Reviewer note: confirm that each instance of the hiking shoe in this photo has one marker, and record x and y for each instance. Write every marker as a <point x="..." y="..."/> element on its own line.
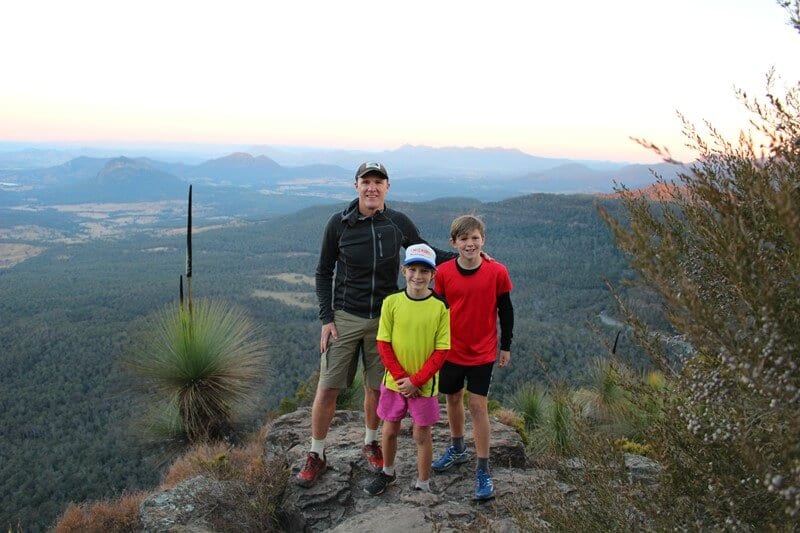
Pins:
<point x="484" y="488"/>
<point x="374" y="455"/>
<point x="379" y="483"/>
<point x="314" y="467"/>
<point x="450" y="457"/>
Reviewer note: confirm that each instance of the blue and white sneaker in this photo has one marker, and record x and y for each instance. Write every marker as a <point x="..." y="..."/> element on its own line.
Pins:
<point x="450" y="457"/>
<point x="484" y="488"/>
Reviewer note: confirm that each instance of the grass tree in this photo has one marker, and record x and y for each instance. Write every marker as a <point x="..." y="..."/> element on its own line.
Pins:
<point x="201" y="364"/>
<point x="531" y="402"/>
<point x="555" y="435"/>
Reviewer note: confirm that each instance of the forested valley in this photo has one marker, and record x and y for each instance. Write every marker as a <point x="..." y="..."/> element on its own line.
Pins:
<point x="69" y="418"/>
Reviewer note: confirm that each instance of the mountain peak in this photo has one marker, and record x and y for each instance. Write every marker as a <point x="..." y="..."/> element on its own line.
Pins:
<point x="239" y="156"/>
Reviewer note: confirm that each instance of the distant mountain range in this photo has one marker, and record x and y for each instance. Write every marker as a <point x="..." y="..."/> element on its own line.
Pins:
<point x="240" y="178"/>
<point x="410" y="160"/>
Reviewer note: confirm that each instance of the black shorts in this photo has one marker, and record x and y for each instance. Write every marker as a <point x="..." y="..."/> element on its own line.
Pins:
<point x="478" y="378"/>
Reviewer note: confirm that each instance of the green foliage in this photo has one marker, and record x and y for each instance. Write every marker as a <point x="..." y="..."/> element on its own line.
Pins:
<point x="628" y="446"/>
<point x="201" y="369"/>
<point x="606" y="400"/>
<point x="67" y="417"/>
<point x="724" y="256"/>
<point x="556" y="434"/>
<point x="352" y="398"/>
<point x="532" y="403"/>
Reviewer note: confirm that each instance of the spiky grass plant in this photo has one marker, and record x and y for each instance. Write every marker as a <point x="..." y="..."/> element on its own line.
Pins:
<point x="532" y="403"/>
<point x="606" y="400"/>
<point x="203" y="370"/>
<point x="555" y="436"/>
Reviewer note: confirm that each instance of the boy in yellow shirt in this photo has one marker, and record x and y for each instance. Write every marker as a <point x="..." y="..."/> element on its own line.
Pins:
<point x="413" y="340"/>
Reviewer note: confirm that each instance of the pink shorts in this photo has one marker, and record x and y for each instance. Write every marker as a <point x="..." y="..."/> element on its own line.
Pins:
<point x="393" y="407"/>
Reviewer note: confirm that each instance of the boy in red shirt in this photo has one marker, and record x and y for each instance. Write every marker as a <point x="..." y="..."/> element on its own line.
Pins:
<point x="478" y="292"/>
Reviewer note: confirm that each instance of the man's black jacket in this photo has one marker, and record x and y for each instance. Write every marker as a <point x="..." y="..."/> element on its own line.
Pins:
<point x="364" y="254"/>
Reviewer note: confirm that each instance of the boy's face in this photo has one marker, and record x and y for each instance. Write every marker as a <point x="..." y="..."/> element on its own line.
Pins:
<point x="469" y="245"/>
<point x="418" y="276"/>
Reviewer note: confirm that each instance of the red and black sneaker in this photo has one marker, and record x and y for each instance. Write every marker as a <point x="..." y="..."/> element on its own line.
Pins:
<point x="315" y="466"/>
<point x="374" y="455"/>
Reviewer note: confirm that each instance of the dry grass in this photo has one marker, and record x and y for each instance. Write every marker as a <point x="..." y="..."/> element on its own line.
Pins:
<point x="251" y="503"/>
<point x="121" y="515"/>
<point x="303" y="300"/>
<point x="220" y="461"/>
<point x="293" y="277"/>
<point x="11" y="254"/>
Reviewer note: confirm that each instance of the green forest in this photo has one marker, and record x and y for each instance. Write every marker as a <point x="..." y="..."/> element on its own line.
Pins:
<point x="70" y="419"/>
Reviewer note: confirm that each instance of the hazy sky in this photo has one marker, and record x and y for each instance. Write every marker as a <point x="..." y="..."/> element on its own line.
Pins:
<point x="573" y="78"/>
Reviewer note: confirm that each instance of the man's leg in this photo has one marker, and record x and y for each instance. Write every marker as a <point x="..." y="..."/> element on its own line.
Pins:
<point x="322" y="411"/>
<point x="371" y="397"/>
<point x="373" y="377"/>
<point x="337" y="365"/>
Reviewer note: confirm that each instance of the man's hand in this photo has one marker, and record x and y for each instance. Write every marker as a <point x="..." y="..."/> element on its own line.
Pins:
<point x="328" y="331"/>
<point x="407" y="388"/>
<point x="505" y="358"/>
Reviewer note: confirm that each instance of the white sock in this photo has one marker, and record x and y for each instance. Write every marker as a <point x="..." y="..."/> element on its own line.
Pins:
<point x="388" y="470"/>
<point x="317" y="446"/>
<point x="423" y="485"/>
<point x="370" y="435"/>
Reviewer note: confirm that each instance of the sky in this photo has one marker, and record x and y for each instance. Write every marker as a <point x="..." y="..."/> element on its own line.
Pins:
<point x="572" y="79"/>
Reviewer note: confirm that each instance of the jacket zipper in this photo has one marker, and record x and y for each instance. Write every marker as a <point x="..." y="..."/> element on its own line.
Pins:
<point x="374" y="266"/>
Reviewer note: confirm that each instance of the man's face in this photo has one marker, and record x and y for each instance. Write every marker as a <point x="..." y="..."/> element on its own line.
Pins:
<point x="371" y="190"/>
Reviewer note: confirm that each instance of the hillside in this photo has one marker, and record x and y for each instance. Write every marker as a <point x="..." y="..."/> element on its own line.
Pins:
<point x="68" y="314"/>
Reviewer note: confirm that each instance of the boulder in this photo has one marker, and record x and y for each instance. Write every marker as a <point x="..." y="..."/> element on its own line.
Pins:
<point x="338" y="502"/>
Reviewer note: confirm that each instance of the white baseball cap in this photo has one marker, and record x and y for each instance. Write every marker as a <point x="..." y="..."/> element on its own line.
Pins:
<point x="420" y="253"/>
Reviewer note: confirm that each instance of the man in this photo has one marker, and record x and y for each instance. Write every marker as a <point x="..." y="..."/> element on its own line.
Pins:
<point x="358" y="266"/>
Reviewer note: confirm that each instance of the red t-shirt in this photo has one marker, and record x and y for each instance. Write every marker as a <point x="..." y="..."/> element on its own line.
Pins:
<point x="473" y="309"/>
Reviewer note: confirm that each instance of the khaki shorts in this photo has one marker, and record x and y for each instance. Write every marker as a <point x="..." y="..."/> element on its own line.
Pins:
<point x="339" y="362"/>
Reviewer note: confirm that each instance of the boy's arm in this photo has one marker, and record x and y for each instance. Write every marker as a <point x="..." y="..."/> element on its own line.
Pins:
<point x="431" y="367"/>
<point x="390" y="361"/>
<point x="505" y="312"/>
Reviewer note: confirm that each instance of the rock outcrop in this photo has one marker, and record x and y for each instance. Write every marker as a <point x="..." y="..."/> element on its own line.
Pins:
<point x="338" y="502"/>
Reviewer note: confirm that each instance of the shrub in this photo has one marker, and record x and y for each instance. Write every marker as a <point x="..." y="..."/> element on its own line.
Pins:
<point x="724" y="255"/>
